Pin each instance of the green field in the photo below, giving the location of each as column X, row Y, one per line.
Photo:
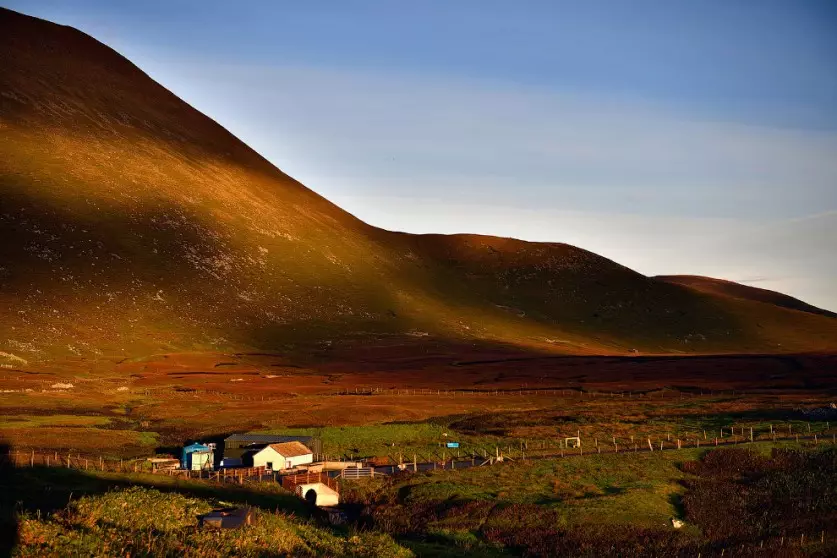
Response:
column 506, row 509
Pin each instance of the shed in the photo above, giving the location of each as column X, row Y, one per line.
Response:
column 283, row 456
column 197, row 457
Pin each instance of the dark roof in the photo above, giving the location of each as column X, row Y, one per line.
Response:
column 195, row 448
column 266, row 438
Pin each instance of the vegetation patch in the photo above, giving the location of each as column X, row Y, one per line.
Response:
column 740, row 495
column 146, row 522
column 34, row 421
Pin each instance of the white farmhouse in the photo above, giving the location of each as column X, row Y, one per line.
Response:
column 283, row 456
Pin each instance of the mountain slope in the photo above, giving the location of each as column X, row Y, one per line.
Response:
column 133, row 224
column 737, row 290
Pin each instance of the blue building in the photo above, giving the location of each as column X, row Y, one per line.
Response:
column 198, row 456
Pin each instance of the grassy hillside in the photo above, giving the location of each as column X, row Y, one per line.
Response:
column 745, row 292
column 134, row 224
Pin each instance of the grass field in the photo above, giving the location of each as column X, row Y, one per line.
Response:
column 639, row 489
column 511, row 509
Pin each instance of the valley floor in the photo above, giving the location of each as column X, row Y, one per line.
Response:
column 406, row 408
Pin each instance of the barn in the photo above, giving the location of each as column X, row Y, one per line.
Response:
column 285, row 455
column 239, row 449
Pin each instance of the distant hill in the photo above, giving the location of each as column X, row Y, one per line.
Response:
column 745, row 292
column 133, row 224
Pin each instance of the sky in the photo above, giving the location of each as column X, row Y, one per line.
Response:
column 675, row 137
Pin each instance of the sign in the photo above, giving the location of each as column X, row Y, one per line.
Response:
column 452, row 444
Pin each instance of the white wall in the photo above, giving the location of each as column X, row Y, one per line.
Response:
column 325, row 496
column 268, row 454
column 299, row 460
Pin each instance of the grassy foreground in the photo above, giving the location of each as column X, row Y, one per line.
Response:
column 69, row 513
column 596, row 505
column 146, row 522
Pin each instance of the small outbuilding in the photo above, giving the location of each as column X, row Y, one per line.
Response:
column 318, row 494
column 285, row 455
column 198, row 457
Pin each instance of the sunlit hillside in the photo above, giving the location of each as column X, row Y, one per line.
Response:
column 132, row 224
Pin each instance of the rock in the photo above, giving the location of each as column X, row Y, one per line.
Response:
column 227, row 518
column 59, row 385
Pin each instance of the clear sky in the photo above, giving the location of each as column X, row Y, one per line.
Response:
column 672, row 136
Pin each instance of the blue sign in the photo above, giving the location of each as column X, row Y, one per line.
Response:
column 453, row 444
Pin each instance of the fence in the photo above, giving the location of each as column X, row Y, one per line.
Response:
column 658, row 393
column 358, row 472
column 32, row 458
column 574, row 392
column 466, row 456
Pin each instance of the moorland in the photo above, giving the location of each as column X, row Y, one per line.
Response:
column 162, row 283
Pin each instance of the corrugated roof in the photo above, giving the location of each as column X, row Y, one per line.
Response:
column 290, row 449
column 266, row 438
column 195, row 447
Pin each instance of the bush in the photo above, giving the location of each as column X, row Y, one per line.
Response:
column 740, row 496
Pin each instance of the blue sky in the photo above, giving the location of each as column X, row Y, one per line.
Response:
column 672, row 136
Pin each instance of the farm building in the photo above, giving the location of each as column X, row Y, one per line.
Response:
column 198, row 456
column 283, row 456
column 239, row 449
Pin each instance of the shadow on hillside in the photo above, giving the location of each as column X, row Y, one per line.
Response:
column 8, row 500
column 714, row 421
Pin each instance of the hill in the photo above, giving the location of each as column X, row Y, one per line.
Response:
column 132, row 225
column 744, row 292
